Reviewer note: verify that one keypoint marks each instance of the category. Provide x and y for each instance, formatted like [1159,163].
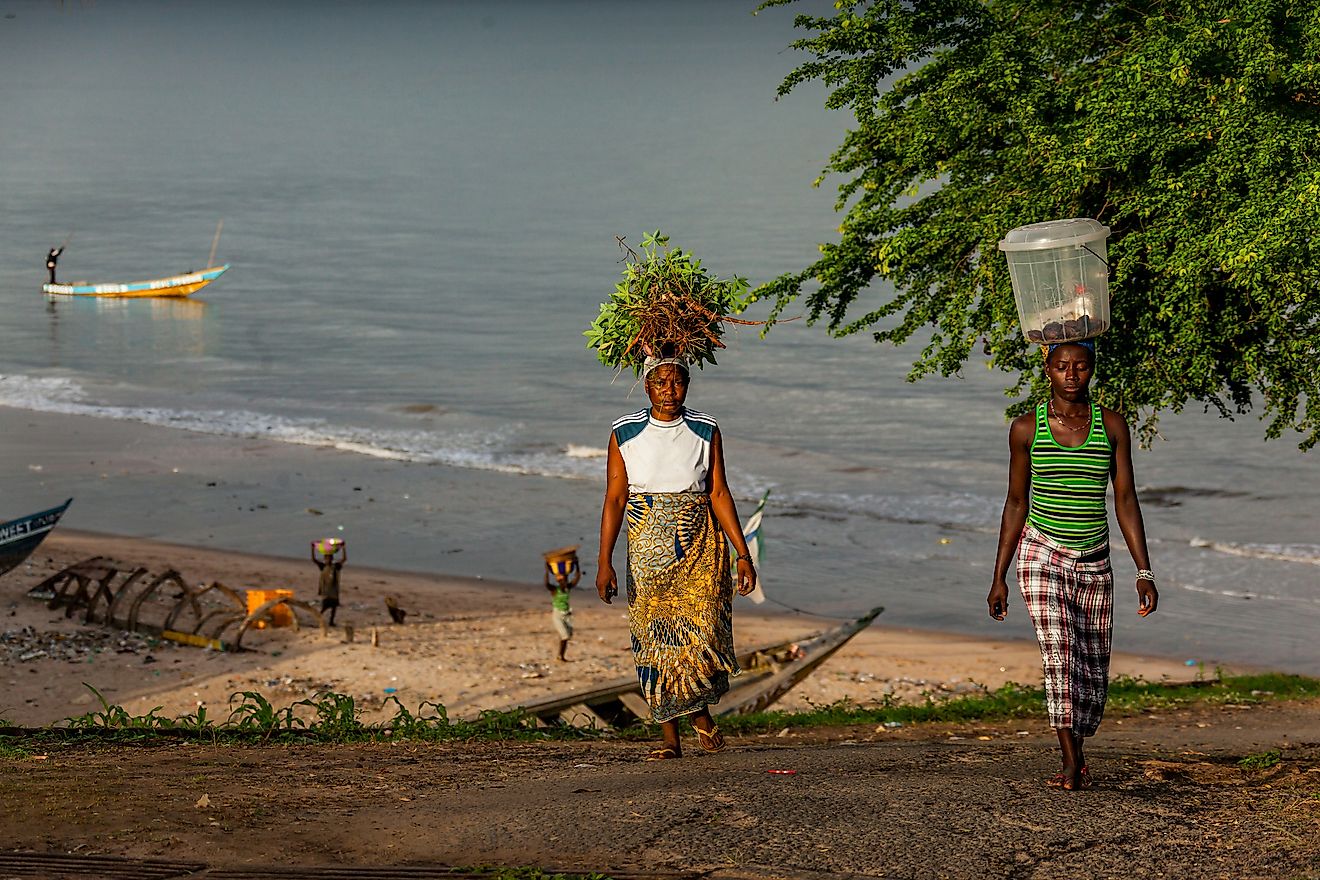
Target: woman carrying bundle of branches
[665,474]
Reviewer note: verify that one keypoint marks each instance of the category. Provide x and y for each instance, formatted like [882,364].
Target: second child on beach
[1062,457]
[563,566]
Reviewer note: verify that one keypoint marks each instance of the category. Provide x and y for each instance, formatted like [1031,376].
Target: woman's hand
[998,600]
[611,521]
[746,577]
[1149,597]
[607,583]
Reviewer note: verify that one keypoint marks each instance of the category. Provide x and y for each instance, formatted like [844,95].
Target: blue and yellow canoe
[179,285]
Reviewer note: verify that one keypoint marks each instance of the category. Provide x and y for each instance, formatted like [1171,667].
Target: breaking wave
[496,450]
[1305,553]
[484,450]
[1248,594]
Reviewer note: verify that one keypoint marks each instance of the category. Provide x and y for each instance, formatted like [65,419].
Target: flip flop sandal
[711,741]
[1084,778]
[664,753]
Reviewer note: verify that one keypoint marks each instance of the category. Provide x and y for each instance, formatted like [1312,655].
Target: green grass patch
[1126,696]
[12,751]
[1261,760]
[336,718]
[325,718]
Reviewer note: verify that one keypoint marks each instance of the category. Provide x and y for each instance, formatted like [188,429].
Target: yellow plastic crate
[280,615]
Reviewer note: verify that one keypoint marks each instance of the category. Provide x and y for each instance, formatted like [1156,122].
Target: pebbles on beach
[26,644]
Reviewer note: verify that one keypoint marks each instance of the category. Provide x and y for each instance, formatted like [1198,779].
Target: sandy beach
[467,643]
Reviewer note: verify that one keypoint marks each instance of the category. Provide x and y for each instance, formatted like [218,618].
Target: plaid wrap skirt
[1069,595]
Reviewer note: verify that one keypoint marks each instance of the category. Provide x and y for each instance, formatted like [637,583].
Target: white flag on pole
[752,533]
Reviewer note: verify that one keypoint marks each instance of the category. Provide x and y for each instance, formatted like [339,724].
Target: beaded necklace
[1054,412]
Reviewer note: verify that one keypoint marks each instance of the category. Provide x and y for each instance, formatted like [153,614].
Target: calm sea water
[420,202]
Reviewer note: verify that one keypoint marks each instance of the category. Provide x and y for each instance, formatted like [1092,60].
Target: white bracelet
[1145,574]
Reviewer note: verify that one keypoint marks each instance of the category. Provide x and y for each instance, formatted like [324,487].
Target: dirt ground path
[927,801]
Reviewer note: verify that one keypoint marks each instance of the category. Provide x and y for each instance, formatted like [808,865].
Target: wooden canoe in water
[768,674]
[19,537]
[178,285]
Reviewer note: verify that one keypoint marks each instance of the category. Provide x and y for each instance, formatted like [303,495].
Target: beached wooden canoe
[768,673]
[178,285]
[19,537]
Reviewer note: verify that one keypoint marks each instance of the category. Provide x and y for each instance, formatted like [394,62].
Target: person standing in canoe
[1062,458]
[665,473]
[51,259]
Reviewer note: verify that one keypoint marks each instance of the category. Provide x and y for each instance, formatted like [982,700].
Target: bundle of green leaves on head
[666,305]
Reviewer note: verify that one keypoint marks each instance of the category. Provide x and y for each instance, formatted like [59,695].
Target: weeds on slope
[336,718]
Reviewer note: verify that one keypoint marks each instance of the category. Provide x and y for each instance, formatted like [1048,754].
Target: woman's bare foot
[1068,779]
[1072,780]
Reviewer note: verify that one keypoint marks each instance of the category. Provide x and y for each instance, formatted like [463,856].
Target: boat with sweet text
[19,537]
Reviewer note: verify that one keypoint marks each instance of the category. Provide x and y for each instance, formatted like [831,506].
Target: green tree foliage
[1190,128]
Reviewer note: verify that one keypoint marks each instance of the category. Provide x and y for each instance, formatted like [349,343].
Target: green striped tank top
[1068,484]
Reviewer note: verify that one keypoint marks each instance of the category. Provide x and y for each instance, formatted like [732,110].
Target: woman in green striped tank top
[1062,459]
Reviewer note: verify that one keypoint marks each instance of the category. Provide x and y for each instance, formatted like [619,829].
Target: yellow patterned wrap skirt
[680,602]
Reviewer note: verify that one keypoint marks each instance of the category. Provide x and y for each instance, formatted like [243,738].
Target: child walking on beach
[563,565]
[326,561]
[1062,457]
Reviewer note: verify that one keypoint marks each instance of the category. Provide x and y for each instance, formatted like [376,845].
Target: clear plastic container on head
[1060,279]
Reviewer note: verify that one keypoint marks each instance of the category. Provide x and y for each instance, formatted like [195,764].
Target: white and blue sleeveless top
[666,456]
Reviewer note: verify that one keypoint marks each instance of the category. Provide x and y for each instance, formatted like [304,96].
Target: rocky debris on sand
[26,644]
[906,688]
[293,685]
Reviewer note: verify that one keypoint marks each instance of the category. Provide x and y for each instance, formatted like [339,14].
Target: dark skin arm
[726,514]
[611,521]
[552,586]
[1127,508]
[1014,516]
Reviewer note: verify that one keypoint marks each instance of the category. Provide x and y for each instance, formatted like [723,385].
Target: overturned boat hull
[768,673]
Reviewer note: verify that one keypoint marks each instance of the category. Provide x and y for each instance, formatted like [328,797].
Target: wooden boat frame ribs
[197,616]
